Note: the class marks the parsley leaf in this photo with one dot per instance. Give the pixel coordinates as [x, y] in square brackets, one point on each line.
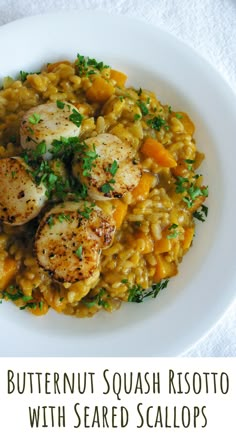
[79, 252]
[76, 117]
[199, 215]
[85, 65]
[60, 104]
[107, 187]
[157, 122]
[35, 118]
[138, 294]
[143, 107]
[97, 300]
[112, 168]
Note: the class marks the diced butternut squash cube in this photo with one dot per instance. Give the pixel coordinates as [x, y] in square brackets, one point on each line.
[148, 246]
[119, 213]
[164, 269]
[100, 90]
[187, 122]
[188, 238]
[119, 77]
[142, 190]
[8, 273]
[153, 149]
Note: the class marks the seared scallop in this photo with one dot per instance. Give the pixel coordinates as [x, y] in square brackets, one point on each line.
[48, 122]
[70, 238]
[21, 199]
[112, 173]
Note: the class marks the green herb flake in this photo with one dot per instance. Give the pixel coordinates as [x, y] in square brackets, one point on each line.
[107, 187]
[202, 214]
[137, 117]
[64, 217]
[112, 168]
[79, 252]
[60, 104]
[85, 66]
[87, 211]
[35, 118]
[27, 298]
[143, 107]
[76, 117]
[179, 116]
[157, 123]
[98, 300]
[137, 294]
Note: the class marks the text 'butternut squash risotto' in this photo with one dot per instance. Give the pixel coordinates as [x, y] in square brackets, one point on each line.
[99, 190]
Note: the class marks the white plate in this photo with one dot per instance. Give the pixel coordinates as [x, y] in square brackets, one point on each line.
[206, 284]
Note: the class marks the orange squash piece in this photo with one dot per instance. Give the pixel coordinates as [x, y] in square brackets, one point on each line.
[164, 269]
[188, 238]
[163, 245]
[148, 242]
[187, 122]
[153, 149]
[119, 213]
[142, 190]
[51, 67]
[119, 77]
[8, 273]
[100, 90]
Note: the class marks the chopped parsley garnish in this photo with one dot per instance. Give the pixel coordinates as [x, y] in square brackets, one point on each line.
[157, 123]
[88, 159]
[64, 217]
[14, 293]
[169, 109]
[97, 300]
[41, 148]
[143, 107]
[137, 117]
[60, 104]
[112, 168]
[189, 162]
[140, 91]
[179, 116]
[79, 252]
[139, 294]
[35, 118]
[192, 191]
[172, 234]
[85, 65]
[24, 74]
[59, 186]
[87, 210]
[202, 214]
[107, 187]
[76, 117]
[181, 184]
[50, 221]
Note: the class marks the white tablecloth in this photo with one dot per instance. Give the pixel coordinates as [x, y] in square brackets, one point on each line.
[207, 25]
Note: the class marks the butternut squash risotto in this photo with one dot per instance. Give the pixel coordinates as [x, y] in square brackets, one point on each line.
[99, 190]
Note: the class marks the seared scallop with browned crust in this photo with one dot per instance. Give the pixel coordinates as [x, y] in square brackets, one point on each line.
[70, 238]
[21, 199]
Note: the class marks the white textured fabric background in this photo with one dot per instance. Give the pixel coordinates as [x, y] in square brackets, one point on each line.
[207, 25]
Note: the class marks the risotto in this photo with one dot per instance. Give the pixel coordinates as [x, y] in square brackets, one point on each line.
[100, 190]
